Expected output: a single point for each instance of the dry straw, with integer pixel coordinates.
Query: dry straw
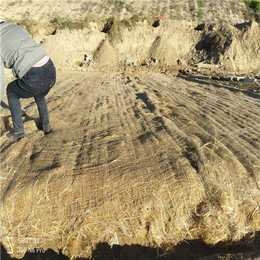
(135, 167)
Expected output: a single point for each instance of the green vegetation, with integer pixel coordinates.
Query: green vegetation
(200, 3)
(254, 5)
(199, 14)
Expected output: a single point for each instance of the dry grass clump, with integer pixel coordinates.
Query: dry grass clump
(56, 23)
(114, 26)
(61, 23)
(29, 24)
(130, 23)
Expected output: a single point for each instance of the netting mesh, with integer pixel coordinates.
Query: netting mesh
(138, 159)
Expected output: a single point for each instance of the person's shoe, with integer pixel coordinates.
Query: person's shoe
(47, 132)
(15, 135)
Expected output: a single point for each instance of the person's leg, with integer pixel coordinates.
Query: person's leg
(36, 83)
(14, 93)
(47, 77)
(43, 113)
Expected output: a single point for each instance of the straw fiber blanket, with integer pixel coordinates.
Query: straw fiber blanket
(143, 159)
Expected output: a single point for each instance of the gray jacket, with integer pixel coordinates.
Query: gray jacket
(18, 51)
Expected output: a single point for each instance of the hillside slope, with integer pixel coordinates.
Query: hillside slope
(111, 33)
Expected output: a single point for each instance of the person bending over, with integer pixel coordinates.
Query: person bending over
(34, 71)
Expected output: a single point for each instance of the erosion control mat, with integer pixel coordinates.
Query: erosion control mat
(144, 159)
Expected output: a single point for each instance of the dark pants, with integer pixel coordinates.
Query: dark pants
(36, 83)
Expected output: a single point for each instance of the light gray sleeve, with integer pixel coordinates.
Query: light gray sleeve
(2, 79)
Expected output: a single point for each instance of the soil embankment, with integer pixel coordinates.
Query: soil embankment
(112, 35)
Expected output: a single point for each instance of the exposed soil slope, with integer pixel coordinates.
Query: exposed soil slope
(70, 30)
